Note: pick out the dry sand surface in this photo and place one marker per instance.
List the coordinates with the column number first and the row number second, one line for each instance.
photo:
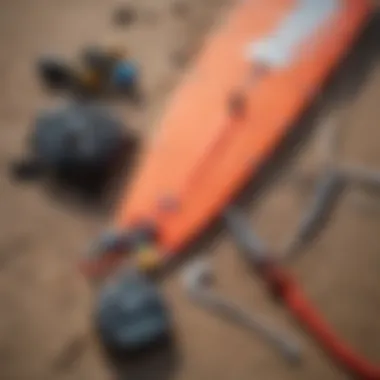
column 45, row 304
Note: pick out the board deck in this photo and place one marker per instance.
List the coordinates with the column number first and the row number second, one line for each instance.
column 200, row 157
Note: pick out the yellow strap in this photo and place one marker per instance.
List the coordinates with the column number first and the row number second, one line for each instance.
column 90, row 79
column 148, row 259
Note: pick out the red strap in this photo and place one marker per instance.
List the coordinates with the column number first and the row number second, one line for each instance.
column 289, row 291
column 102, row 267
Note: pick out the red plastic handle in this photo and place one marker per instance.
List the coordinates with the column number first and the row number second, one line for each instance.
column 291, row 294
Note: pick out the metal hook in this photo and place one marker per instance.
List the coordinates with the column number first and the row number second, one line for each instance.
column 197, row 280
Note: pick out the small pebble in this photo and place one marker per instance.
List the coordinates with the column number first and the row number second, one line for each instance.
column 125, row 15
column 179, row 9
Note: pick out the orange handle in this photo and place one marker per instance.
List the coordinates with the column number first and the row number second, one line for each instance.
column 310, row 318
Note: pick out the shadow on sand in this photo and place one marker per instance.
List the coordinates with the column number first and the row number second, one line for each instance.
column 158, row 362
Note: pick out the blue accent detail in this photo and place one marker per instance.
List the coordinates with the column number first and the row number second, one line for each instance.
column 124, row 74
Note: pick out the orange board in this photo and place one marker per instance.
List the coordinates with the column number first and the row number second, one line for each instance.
column 200, row 156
